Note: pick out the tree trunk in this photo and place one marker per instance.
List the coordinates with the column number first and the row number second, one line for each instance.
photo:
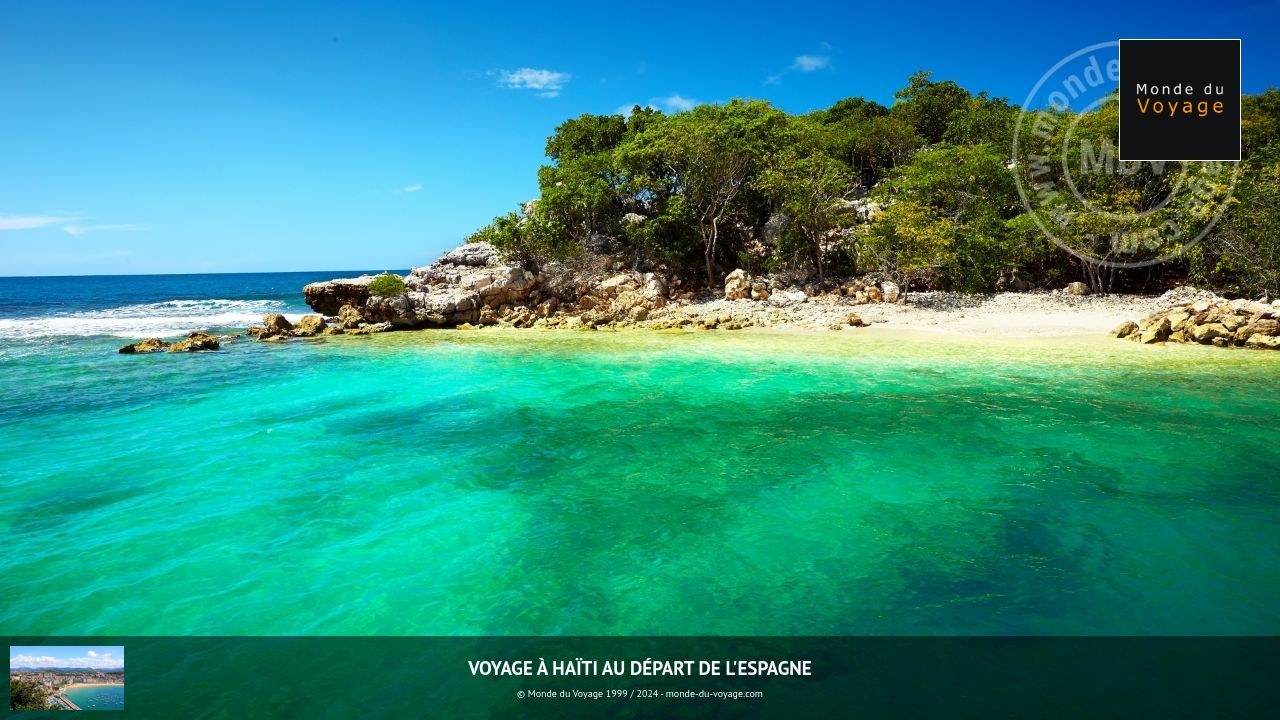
column 709, row 253
column 815, row 250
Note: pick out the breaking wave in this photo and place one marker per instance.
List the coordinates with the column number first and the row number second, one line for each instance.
column 161, row 319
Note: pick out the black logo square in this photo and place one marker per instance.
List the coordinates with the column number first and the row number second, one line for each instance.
column 1180, row 100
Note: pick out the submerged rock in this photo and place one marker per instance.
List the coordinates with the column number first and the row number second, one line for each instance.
column 196, row 342
column 145, row 346
column 370, row 329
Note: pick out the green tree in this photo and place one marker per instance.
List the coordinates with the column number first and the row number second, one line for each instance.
column 906, row 238
column 705, row 156
column 1260, row 115
column 928, row 105
column 973, row 188
column 585, row 135
column 27, row 695
column 528, row 238
column 1243, row 252
column 810, row 188
column 985, row 120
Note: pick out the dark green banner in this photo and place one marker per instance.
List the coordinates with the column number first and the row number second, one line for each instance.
column 345, row 677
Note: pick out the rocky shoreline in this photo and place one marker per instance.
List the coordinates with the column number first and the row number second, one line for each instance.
column 1209, row 320
column 471, row 287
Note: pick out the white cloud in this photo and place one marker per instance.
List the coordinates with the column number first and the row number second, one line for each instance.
column 804, row 64
column 811, row 63
column 92, row 660
column 676, row 103
column 119, row 227
column 549, row 83
column 416, row 187
column 29, row 222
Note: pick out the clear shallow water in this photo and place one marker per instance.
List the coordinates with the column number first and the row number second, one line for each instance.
column 638, row 483
column 100, row 697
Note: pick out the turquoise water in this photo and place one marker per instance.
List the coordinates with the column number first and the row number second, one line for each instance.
column 101, row 697
column 639, row 483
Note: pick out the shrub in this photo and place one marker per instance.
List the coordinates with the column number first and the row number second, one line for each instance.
column 27, row 695
column 386, row 285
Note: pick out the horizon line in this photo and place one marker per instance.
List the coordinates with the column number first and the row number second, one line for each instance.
column 225, row 272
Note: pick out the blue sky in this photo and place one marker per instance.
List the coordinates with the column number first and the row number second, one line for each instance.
column 144, row 137
column 74, row 656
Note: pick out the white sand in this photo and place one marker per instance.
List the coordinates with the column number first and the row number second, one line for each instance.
column 1012, row 315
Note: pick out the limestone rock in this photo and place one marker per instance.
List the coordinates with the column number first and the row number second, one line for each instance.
column 328, row 297
column 1263, row 342
column 437, row 306
column 875, row 294
column 370, row 329
column 310, row 325
column 890, row 290
column 477, row 254
column 1207, row 333
column 276, row 324
column 1077, row 288
column 784, row 298
column 655, row 289
column 1156, row 332
column 145, row 346
column 737, row 285
column 1125, row 329
column 195, row 342
column 349, row 317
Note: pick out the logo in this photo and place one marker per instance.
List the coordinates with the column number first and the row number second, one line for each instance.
column 1106, row 211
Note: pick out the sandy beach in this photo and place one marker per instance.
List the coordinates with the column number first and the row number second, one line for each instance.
column 1008, row 315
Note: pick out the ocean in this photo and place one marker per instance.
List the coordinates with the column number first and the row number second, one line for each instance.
column 576, row 483
column 97, row 697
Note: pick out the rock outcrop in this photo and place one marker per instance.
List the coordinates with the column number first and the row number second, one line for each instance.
column 451, row 291
column 348, row 318
column 737, row 285
column 473, row 286
column 149, row 345
column 328, row 297
column 275, row 324
column 196, row 342
column 1216, row 321
column 193, row 342
column 309, row 326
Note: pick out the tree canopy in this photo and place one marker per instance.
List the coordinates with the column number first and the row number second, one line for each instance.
column 924, row 189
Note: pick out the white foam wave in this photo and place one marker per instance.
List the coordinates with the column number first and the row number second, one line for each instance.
column 162, row 319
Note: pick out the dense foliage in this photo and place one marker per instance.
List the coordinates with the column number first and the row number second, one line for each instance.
column 386, row 285
column 924, row 191
column 28, row 695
